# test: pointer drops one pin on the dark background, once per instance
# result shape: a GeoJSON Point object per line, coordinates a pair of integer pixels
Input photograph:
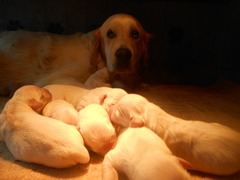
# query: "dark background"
{"type": "Point", "coordinates": [195, 42]}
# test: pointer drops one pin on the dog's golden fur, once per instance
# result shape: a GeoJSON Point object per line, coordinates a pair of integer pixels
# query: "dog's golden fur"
{"type": "Point", "coordinates": [42, 58]}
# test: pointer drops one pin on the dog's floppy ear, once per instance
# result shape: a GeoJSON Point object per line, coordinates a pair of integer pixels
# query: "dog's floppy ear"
{"type": "Point", "coordinates": [146, 39]}
{"type": "Point", "coordinates": [97, 59]}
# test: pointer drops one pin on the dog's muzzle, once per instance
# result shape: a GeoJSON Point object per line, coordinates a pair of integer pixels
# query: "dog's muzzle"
{"type": "Point", "coordinates": [123, 57]}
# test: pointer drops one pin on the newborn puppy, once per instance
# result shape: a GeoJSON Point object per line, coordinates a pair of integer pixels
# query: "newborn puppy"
{"type": "Point", "coordinates": [34, 138]}
{"type": "Point", "coordinates": [97, 130]}
{"type": "Point", "coordinates": [140, 154]}
{"type": "Point", "coordinates": [61, 110]}
{"type": "Point", "coordinates": [103, 95]}
{"type": "Point", "coordinates": [111, 97]}
{"type": "Point", "coordinates": [209, 147]}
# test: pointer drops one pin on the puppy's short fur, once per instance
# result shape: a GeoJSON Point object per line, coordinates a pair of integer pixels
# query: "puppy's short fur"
{"type": "Point", "coordinates": [209, 147]}
{"type": "Point", "coordinates": [61, 110]}
{"type": "Point", "coordinates": [141, 154]}
{"type": "Point", "coordinates": [120, 44]}
{"type": "Point", "coordinates": [96, 128]}
{"type": "Point", "coordinates": [34, 138]}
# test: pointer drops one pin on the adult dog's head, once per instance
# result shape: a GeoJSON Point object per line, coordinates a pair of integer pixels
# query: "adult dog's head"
{"type": "Point", "coordinates": [123, 44]}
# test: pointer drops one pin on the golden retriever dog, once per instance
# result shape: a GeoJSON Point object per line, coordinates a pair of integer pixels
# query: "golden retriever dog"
{"type": "Point", "coordinates": [140, 154]}
{"type": "Point", "coordinates": [40, 58]}
{"type": "Point", "coordinates": [208, 147]}
{"type": "Point", "coordinates": [34, 138]}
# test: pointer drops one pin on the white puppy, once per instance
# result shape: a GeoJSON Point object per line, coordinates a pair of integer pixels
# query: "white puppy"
{"type": "Point", "coordinates": [209, 147]}
{"type": "Point", "coordinates": [107, 97]}
{"type": "Point", "coordinates": [141, 155]}
{"type": "Point", "coordinates": [61, 110]}
{"type": "Point", "coordinates": [34, 138]}
{"type": "Point", "coordinates": [97, 130]}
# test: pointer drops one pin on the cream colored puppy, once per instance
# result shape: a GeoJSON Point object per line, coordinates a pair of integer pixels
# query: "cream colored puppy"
{"type": "Point", "coordinates": [34, 138]}
{"type": "Point", "coordinates": [107, 97]}
{"type": "Point", "coordinates": [209, 147]}
{"type": "Point", "coordinates": [61, 110]}
{"type": "Point", "coordinates": [142, 155]}
{"type": "Point", "coordinates": [97, 130]}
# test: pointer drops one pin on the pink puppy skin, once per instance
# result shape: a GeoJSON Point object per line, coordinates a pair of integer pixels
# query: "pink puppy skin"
{"type": "Point", "coordinates": [97, 130]}
{"type": "Point", "coordinates": [34, 138]}
{"type": "Point", "coordinates": [61, 110]}
{"type": "Point", "coordinates": [209, 147]}
{"type": "Point", "coordinates": [142, 155]}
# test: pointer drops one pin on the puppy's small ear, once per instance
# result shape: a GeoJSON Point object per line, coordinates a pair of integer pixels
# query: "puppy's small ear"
{"type": "Point", "coordinates": [46, 95]}
{"type": "Point", "coordinates": [136, 122]}
{"type": "Point", "coordinates": [102, 98]}
{"type": "Point", "coordinates": [184, 163]}
{"type": "Point", "coordinates": [35, 105]}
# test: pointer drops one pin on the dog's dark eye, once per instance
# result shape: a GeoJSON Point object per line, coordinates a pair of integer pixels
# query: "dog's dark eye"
{"type": "Point", "coordinates": [134, 34]}
{"type": "Point", "coordinates": [111, 34]}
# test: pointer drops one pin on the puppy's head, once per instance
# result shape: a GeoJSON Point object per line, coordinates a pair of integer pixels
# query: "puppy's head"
{"type": "Point", "coordinates": [95, 127]}
{"type": "Point", "coordinates": [33, 96]}
{"type": "Point", "coordinates": [124, 46]}
{"type": "Point", "coordinates": [129, 111]}
{"type": "Point", "coordinates": [111, 97]}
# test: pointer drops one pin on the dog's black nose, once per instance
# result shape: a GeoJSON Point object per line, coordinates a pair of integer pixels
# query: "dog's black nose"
{"type": "Point", "coordinates": [123, 56]}
{"type": "Point", "coordinates": [123, 53]}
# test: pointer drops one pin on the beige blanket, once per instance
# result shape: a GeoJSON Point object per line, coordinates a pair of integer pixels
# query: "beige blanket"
{"type": "Point", "coordinates": [217, 103]}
